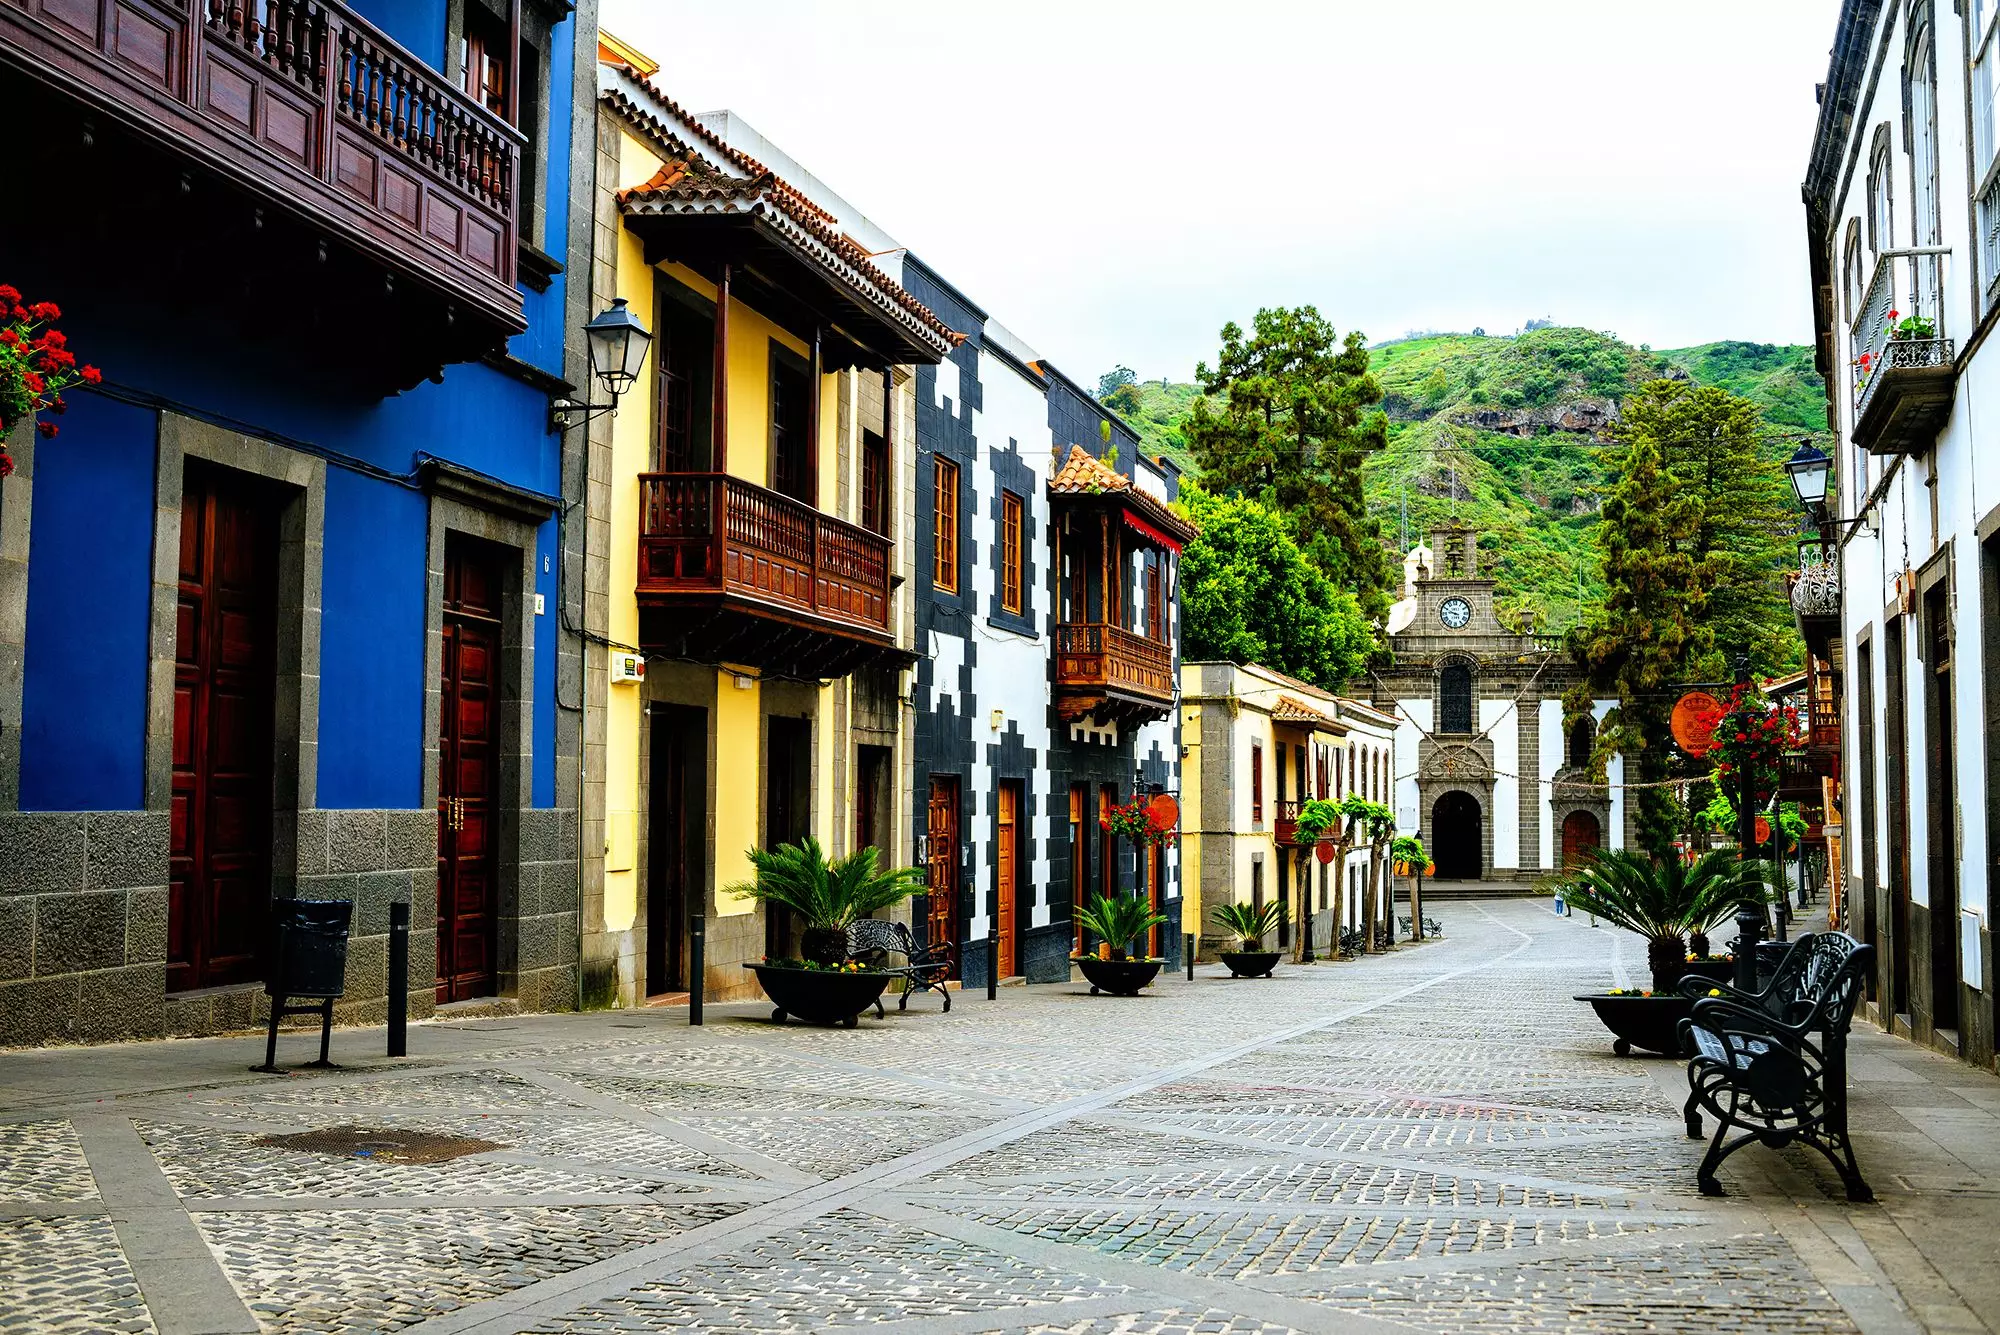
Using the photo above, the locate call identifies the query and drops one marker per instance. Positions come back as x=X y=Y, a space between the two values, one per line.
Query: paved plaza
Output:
x=1434 y=1140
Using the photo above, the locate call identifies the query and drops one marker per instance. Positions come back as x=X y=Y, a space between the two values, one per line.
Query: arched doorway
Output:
x=1582 y=836
x=1455 y=843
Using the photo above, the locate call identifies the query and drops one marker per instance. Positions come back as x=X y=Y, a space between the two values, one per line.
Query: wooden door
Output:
x=1156 y=880
x=1581 y=838
x=225 y=651
x=787 y=815
x=468 y=772
x=941 y=910
x=1007 y=854
x=676 y=819
x=1079 y=859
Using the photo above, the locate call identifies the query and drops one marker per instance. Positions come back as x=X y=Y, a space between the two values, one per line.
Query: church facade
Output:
x=1486 y=773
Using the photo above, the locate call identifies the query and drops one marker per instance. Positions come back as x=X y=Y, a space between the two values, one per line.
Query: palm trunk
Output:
x=1667 y=957
x=1339 y=899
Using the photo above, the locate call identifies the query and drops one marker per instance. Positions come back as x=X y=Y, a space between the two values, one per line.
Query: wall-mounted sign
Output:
x=1324 y=850
x=1695 y=716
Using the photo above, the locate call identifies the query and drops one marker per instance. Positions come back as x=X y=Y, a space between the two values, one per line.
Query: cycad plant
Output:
x=1117 y=920
x=826 y=894
x=1665 y=900
x=1248 y=921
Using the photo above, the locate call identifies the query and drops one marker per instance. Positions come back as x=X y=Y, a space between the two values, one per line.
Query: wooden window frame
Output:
x=944 y=527
x=1012 y=581
x=1256 y=783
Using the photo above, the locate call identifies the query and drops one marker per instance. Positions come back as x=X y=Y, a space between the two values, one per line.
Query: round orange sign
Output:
x=1324 y=850
x=1164 y=811
x=1695 y=717
x=1763 y=830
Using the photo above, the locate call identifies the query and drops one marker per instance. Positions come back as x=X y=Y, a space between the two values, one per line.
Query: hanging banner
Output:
x=1695 y=717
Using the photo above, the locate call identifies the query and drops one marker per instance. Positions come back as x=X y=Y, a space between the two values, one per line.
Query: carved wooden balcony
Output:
x=1285 y=821
x=283 y=150
x=731 y=572
x=1109 y=674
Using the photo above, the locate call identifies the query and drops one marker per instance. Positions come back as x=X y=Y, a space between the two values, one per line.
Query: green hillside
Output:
x=1506 y=432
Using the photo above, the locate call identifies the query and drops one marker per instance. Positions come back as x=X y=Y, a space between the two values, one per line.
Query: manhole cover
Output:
x=388 y=1143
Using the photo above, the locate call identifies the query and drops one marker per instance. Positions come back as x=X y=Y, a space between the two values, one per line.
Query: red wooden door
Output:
x=941 y=913
x=224 y=668
x=468 y=773
x=1581 y=836
x=1007 y=853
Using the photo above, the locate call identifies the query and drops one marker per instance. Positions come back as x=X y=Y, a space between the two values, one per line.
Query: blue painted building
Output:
x=282 y=604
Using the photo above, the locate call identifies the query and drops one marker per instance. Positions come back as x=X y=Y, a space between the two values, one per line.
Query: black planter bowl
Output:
x=1121 y=978
x=1717 y=970
x=819 y=996
x=1642 y=1022
x=1250 y=963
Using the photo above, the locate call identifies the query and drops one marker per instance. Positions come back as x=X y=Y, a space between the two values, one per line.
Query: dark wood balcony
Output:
x=1112 y=675
x=1285 y=820
x=276 y=150
x=731 y=572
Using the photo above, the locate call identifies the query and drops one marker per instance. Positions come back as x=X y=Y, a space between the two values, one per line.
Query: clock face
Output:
x=1455 y=612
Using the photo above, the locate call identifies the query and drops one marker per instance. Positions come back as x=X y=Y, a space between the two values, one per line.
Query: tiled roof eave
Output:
x=720 y=200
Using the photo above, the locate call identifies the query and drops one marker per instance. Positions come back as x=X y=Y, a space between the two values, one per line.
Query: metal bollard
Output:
x=399 y=979
x=1189 y=949
x=1749 y=926
x=992 y=960
x=697 y=964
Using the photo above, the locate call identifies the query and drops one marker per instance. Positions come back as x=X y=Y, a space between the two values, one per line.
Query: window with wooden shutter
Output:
x=1256 y=783
x=944 y=564
x=1010 y=552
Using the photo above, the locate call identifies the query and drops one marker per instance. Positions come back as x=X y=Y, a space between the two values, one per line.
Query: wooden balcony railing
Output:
x=1093 y=655
x=1285 y=820
x=309 y=103
x=712 y=533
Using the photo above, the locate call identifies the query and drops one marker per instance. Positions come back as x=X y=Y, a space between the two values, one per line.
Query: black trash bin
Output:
x=309 y=960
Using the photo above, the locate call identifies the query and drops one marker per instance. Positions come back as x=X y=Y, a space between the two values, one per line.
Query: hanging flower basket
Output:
x=1137 y=821
x=36 y=366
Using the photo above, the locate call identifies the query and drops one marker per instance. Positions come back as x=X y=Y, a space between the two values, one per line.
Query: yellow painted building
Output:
x=748 y=544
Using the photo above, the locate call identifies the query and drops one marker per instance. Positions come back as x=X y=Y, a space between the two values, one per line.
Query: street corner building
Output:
x=752 y=541
x=1898 y=588
x=1260 y=745
x=1047 y=617
x=280 y=605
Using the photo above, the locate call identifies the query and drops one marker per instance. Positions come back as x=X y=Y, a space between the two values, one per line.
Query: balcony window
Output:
x=684 y=358
x=1256 y=783
x=1010 y=553
x=484 y=56
x=791 y=417
x=944 y=528
x=874 y=482
x=1881 y=196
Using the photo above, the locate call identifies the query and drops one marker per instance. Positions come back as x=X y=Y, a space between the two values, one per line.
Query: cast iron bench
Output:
x=1773 y=1063
x=1432 y=927
x=924 y=968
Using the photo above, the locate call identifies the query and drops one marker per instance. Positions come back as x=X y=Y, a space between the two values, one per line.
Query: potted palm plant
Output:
x=1117 y=921
x=1251 y=924
x=1663 y=900
x=824 y=986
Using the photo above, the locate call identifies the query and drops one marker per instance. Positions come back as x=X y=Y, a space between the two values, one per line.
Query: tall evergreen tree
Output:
x=1652 y=624
x=1286 y=417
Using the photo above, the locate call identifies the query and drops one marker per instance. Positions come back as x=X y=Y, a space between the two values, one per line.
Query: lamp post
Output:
x=1749 y=918
x=617 y=344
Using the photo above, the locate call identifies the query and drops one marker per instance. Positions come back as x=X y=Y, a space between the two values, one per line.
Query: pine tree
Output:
x=1287 y=417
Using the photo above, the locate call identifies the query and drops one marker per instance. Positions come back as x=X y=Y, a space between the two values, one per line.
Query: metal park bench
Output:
x=1432 y=927
x=1773 y=1063
x=924 y=968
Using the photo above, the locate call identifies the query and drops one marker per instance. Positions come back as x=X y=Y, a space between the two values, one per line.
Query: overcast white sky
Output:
x=1113 y=179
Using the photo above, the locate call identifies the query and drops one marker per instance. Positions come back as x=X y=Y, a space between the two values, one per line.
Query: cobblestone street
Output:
x=1436 y=1140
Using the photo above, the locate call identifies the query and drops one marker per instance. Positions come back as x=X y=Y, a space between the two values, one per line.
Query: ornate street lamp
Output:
x=617 y=343
x=1809 y=467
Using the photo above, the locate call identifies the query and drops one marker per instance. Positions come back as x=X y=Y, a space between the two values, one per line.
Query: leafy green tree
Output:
x=1112 y=379
x=1287 y=416
x=1124 y=400
x=1250 y=595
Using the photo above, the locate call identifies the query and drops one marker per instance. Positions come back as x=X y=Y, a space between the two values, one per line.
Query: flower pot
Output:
x=823 y=945
x=1642 y=1022
x=1250 y=963
x=1716 y=969
x=1121 y=978
x=819 y=996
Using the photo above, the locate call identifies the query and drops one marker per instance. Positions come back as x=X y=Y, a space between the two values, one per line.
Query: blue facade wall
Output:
x=372 y=617
x=209 y=356
x=90 y=557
